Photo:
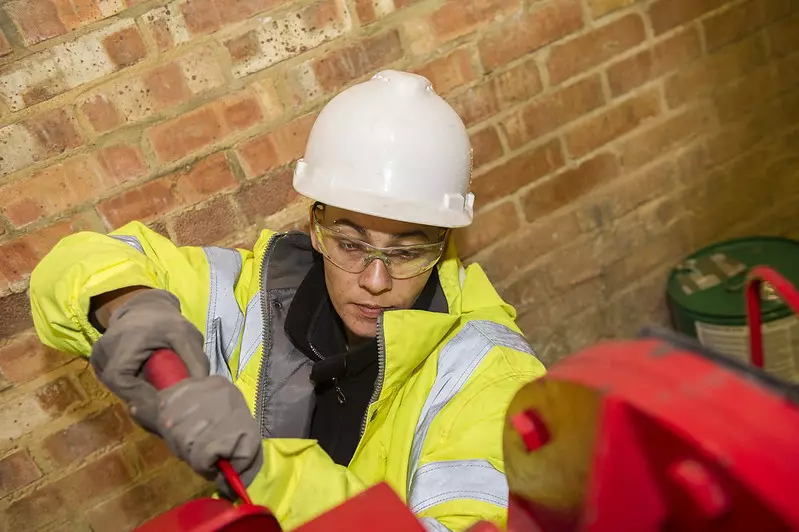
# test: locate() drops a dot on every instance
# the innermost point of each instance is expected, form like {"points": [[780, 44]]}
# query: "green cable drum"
{"points": [[707, 301]]}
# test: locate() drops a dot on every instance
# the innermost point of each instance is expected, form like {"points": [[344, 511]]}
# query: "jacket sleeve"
{"points": [[87, 264]]}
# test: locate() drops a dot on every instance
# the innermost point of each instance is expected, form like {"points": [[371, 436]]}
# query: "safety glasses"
{"points": [[353, 255]]}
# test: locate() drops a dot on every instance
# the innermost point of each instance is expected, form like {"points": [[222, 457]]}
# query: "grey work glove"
{"points": [[147, 322], [203, 420]]}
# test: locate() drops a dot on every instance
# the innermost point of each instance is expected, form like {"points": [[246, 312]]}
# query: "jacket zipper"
{"points": [[266, 339], [339, 393], [381, 368]]}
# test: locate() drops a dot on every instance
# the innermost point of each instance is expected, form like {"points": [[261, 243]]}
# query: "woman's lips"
{"points": [[371, 312]]}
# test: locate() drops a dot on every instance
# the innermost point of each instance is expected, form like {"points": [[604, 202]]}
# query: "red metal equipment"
{"points": [[652, 434]]}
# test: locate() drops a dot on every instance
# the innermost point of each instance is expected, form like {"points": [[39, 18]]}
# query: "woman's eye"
{"points": [[348, 246], [405, 255]]}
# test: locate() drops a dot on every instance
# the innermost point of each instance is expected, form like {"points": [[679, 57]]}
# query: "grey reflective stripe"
{"points": [[431, 525], [253, 331], [224, 319], [132, 241], [439, 482], [457, 361]]}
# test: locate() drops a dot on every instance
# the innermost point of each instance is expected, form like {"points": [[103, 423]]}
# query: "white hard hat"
{"points": [[393, 148]]}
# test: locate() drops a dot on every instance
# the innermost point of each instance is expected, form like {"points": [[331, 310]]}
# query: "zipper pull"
{"points": [[339, 394]]}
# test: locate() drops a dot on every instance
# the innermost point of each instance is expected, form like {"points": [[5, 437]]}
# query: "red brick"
{"points": [[668, 14], [206, 224], [244, 47], [267, 196], [587, 51], [159, 27], [201, 16], [562, 189], [94, 480], [611, 124], [701, 77], [55, 130], [338, 68], [163, 195], [76, 442], [553, 110], [237, 10], [205, 178], [142, 203], [101, 113], [22, 254], [206, 16], [166, 85], [123, 160], [57, 396], [738, 137], [5, 46], [600, 8], [37, 20], [528, 244], [784, 36], [777, 9], [152, 452], [16, 312], [486, 146], [733, 24], [482, 101], [185, 134], [144, 501], [648, 145], [487, 228], [135, 98], [35, 510], [181, 136], [276, 148], [37, 139], [241, 111], [623, 195], [665, 56], [57, 189], [456, 19], [545, 22], [17, 470], [125, 47], [370, 10], [448, 72], [518, 172], [306, 26], [749, 92]]}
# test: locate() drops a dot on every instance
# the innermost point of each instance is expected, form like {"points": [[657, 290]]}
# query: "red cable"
{"points": [[784, 289]]}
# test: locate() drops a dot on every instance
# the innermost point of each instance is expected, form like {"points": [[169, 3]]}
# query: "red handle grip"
{"points": [[165, 368]]}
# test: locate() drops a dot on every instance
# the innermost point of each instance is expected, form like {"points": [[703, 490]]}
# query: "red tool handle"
{"points": [[165, 368], [784, 289]]}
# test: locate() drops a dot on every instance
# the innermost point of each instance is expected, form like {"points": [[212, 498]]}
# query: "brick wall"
{"points": [[611, 137]]}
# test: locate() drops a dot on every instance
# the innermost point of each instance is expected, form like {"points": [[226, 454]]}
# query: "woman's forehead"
{"points": [[373, 225]]}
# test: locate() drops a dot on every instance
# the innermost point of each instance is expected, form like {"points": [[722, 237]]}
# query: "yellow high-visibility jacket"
{"points": [[433, 429]]}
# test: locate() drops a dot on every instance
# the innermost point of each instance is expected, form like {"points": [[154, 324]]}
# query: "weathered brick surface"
{"points": [[17, 470], [610, 137]]}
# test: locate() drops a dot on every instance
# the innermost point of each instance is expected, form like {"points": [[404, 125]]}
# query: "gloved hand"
{"points": [[205, 419], [147, 322]]}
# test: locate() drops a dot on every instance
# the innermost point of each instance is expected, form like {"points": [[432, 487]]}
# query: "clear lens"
{"points": [[353, 255]]}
